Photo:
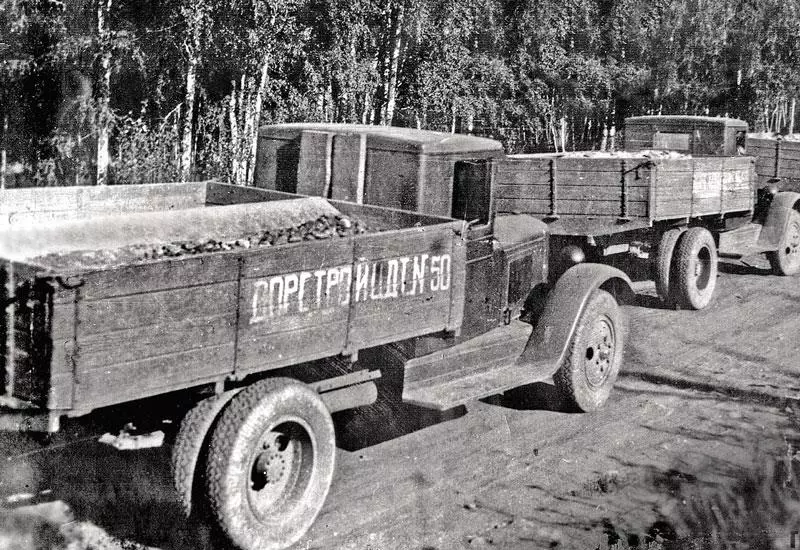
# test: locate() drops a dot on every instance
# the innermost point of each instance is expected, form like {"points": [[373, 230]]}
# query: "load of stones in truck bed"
{"points": [[132, 238]]}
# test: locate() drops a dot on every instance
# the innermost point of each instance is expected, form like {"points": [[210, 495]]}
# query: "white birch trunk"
{"points": [[188, 117], [234, 122], [3, 159], [103, 119], [791, 115], [394, 64], [259, 99]]}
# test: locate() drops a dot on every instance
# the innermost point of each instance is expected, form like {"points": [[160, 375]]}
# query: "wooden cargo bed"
{"points": [[90, 334], [631, 187], [776, 159]]}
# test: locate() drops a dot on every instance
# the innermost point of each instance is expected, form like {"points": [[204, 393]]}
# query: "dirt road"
{"points": [[697, 444]]}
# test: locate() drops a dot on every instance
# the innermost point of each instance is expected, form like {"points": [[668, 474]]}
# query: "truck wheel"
{"points": [[695, 268], [590, 369], [664, 255], [190, 443], [270, 464], [786, 260]]}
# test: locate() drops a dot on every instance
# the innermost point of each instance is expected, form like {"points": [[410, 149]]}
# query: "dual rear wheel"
{"points": [[686, 267], [268, 466]]}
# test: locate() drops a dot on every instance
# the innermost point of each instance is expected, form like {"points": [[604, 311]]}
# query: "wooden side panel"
{"points": [[37, 204], [293, 304], [401, 285], [135, 345], [702, 186], [573, 186], [775, 158]]}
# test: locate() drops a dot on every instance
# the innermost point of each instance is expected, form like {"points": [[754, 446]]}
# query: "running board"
{"points": [[482, 366], [741, 241]]}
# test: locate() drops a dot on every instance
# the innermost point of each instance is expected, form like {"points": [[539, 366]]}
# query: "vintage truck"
{"points": [[271, 310], [673, 212]]}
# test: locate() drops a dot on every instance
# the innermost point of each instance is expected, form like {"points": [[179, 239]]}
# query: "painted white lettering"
{"points": [[434, 273], [259, 289], [444, 271], [393, 266], [304, 277], [362, 281], [319, 274], [290, 284], [345, 284], [419, 273], [333, 280], [403, 266], [275, 294]]}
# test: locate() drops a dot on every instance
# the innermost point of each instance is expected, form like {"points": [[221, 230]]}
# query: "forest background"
{"points": [[133, 91]]}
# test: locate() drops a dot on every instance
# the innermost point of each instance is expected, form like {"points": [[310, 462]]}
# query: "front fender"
{"points": [[563, 307], [777, 217]]}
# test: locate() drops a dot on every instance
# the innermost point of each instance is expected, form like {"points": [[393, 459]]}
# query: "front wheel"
{"points": [[786, 260], [593, 359], [270, 464]]}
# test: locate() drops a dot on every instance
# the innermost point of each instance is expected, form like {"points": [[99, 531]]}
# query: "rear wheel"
{"points": [[590, 369], [270, 464], [786, 260], [695, 268], [189, 448], [666, 249]]}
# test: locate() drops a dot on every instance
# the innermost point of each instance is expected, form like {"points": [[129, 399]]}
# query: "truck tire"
{"points": [[594, 356], [664, 264], [270, 464], [190, 443], [695, 268], [786, 260]]}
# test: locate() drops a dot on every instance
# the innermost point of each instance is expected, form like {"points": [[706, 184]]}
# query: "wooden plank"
{"points": [[571, 192], [28, 205], [100, 350], [270, 350], [153, 375], [198, 270], [302, 256], [570, 207], [160, 308]]}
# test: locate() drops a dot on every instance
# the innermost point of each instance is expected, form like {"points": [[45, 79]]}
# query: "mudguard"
{"points": [[777, 217], [564, 305]]}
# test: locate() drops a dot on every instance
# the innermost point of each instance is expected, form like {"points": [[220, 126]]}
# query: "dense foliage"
{"points": [[146, 90]]}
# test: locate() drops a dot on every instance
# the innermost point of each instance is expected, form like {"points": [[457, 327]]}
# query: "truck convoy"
{"points": [[678, 195], [271, 310]]}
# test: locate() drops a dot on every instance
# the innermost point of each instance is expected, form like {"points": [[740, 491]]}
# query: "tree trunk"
{"points": [[3, 160], [259, 99], [394, 63], [188, 117], [234, 145], [791, 115], [104, 95]]}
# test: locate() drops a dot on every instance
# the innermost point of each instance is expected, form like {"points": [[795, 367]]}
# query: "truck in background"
{"points": [[675, 212]]}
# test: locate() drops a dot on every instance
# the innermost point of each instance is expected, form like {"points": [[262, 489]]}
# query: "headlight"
{"points": [[572, 255]]}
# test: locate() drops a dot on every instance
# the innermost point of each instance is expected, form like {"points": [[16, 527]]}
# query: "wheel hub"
{"points": [[599, 356], [276, 469]]}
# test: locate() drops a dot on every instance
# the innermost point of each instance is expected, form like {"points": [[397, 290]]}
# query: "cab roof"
{"points": [[686, 119], [390, 137]]}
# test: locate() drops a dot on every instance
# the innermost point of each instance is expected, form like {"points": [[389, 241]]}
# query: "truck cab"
{"points": [[695, 135]]}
